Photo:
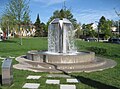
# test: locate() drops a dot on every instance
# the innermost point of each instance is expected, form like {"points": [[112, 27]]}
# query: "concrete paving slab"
{"points": [[33, 77], [2, 58], [66, 86], [49, 81], [72, 81], [58, 75], [11, 57], [31, 85]]}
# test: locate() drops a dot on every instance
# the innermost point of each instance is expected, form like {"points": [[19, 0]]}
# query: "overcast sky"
{"points": [[85, 11]]}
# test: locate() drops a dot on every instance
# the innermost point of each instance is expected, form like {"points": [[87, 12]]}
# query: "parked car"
{"points": [[90, 39], [114, 40]]}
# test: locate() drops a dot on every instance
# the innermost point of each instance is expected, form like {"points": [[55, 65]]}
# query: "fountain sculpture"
{"points": [[60, 36], [62, 53]]}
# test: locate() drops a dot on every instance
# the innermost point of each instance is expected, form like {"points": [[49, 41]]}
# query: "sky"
{"points": [[85, 11]]}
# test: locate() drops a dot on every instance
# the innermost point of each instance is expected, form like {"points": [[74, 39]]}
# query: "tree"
{"points": [[8, 23], [88, 30], [101, 24], [79, 32], [37, 22], [63, 13], [107, 31], [40, 28], [105, 27], [37, 26], [4, 23], [44, 30], [18, 10]]}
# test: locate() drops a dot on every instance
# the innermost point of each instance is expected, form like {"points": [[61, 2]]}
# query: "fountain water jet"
{"points": [[60, 36], [62, 53]]}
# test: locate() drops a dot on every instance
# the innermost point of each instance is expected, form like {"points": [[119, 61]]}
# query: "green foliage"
{"points": [[37, 22], [40, 28], [63, 13], [79, 31], [102, 21], [112, 50], [98, 50], [88, 31], [105, 27], [4, 23], [18, 11]]}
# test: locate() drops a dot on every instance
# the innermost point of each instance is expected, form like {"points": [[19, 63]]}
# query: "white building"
{"points": [[94, 26], [114, 29]]}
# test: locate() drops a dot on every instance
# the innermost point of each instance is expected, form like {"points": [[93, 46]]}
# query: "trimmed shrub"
{"points": [[98, 50]]}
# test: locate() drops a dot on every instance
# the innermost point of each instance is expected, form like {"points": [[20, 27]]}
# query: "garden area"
{"points": [[106, 79]]}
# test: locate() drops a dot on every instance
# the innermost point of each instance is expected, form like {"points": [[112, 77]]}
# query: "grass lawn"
{"points": [[107, 79]]}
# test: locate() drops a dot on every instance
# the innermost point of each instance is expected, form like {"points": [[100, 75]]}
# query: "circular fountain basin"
{"points": [[45, 56], [98, 64]]}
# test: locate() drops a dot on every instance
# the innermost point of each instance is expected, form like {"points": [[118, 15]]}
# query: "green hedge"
{"points": [[98, 50]]}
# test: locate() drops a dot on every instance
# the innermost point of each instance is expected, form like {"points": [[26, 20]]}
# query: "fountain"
{"points": [[60, 37], [62, 53]]}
